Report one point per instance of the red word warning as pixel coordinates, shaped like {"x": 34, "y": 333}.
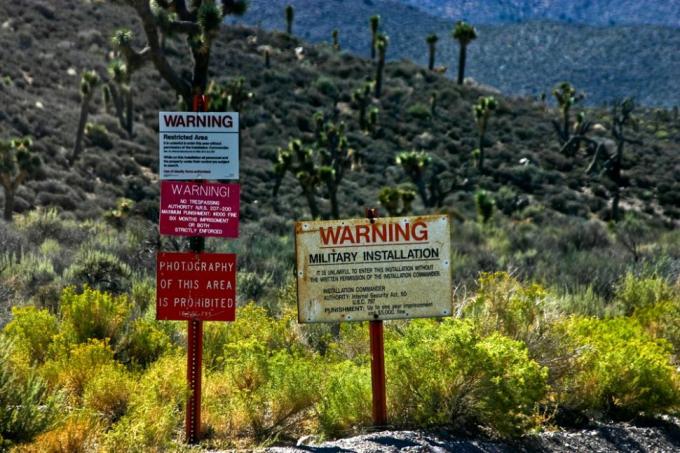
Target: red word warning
{"x": 199, "y": 209}
{"x": 200, "y": 286}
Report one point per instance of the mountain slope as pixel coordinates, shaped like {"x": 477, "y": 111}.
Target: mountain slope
{"x": 519, "y": 59}
{"x": 600, "y": 12}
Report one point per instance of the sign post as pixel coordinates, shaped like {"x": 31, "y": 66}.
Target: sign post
{"x": 194, "y": 286}
{"x": 371, "y": 270}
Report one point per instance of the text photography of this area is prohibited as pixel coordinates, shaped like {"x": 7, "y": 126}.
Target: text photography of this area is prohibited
{"x": 377, "y": 269}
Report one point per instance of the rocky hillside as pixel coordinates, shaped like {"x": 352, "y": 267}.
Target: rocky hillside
{"x": 49, "y": 47}
{"x": 525, "y": 58}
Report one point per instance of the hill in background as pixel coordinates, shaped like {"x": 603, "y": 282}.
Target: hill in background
{"x": 600, "y": 12}
{"x": 518, "y": 58}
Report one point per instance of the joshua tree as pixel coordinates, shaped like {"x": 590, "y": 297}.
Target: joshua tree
{"x": 336, "y": 43}
{"x": 88, "y": 83}
{"x": 431, "y": 43}
{"x": 482, "y": 111}
{"x": 566, "y": 97}
{"x": 381, "y": 45}
{"x": 612, "y": 161}
{"x": 199, "y": 23}
{"x": 485, "y": 205}
{"x": 397, "y": 200}
{"x": 464, "y": 33}
{"x": 229, "y": 97}
{"x": 428, "y": 175}
{"x": 17, "y": 164}
{"x": 361, "y": 98}
{"x": 373, "y": 115}
{"x": 322, "y": 164}
{"x": 290, "y": 15}
{"x": 375, "y": 24}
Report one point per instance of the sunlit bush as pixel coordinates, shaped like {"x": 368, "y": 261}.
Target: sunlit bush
{"x": 100, "y": 270}
{"x": 447, "y": 374}
{"x": 93, "y": 314}
{"x": 32, "y": 330}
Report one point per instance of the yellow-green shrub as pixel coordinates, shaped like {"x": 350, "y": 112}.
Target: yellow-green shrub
{"x": 26, "y": 407}
{"x": 272, "y": 392}
{"x": 73, "y": 369}
{"x": 502, "y": 304}
{"x": 144, "y": 343}
{"x": 108, "y": 392}
{"x": 345, "y": 402}
{"x": 32, "y": 331}
{"x": 618, "y": 368}
{"x": 634, "y": 293}
{"x": 77, "y": 433}
{"x": 444, "y": 373}
{"x": 93, "y": 314}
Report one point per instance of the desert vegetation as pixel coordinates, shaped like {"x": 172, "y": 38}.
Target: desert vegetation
{"x": 567, "y": 284}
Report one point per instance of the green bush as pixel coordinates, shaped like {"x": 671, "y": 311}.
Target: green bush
{"x": 100, "y": 270}
{"x": 446, "y": 374}
{"x": 108, "y": 393}
{"x": 345, "y": 402}
{"x": 26, "y": 407}
{"x": 32, "y": 330}
{"x": 93, "y": 314}
{"x": 618, "y": 368}
{"x": 419, "y": 111}
{"x": 144, "y": 343}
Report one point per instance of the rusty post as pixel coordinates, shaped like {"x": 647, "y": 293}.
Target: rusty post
{"x": 375, "y": 329}
{"x": 195, "y": 339}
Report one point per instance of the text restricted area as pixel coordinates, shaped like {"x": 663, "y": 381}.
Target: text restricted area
{"x": 198, "y": 145}
{"x": 199, "y": 209}
{"x": 196, "y": 286}
{"x": 355, "y": 270}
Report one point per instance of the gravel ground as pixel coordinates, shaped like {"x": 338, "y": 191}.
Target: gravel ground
{"x": 659, "y": 436}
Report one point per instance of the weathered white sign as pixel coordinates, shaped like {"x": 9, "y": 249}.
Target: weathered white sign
{"x": 356, "y": 270}
{"x": 198, "y": 145}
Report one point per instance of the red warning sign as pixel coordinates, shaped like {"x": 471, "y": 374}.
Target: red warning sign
{"x": 199, "y": 209}
{"x": 199, "y": 286}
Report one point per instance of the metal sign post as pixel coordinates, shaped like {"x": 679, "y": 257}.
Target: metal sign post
{"x": 195, "y": 339}
{"x": 375, "y": 329}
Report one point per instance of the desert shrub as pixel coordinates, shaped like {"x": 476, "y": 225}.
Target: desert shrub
{"x": 502, "y": 304}
{"x": 582, "y": 302}
{"x": 618, "y": 368}
{"x": 32, "y": 330}
{"x": 326, "y": 86}
{"x": 72, "y": 368}
{"x": 419, "y": 111}
{"x": 345, "y": 401}
{"x": 93, "y": 314}
{"x": 26, "y": 273}
{"x": 446, "y": 374}
{"x": 273, "y": 393}
{"x": 252, "y": 286}
{"x": 98, "y": 135}
{"x": 634, "y": 293}
{"x": 100, "y": 270}
{"x": 26, "y": 407}
{"x": 108, "y": 393}
{"x": 76, "y": 433}
{"x": 143, "y": 344}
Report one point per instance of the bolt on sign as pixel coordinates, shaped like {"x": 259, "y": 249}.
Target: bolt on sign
{"x": 195, "y": 286}
{"x": 198, "y": 145}
{"x": 384, "y": 268}
{"x": 199, "y": 209}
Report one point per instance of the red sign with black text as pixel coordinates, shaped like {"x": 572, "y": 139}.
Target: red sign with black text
{"x": 200, "y": 286}
{"x": 199, "y": 209}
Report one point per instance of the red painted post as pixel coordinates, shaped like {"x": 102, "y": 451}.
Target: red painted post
{"x": 195, "y": 339}
{"x": 375, "y": 329}
{"x": 194, "y": 365}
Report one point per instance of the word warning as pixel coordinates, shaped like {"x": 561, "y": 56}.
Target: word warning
{"x": 198, "y": 286}
{"x": 355, "y": 270}
{"x": 199, "y": 209}
{"x": 198, "y": 145}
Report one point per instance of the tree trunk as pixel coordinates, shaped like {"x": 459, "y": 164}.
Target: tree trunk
{"x": 616, "y": 178}
{"x": 9, "y": 203}
{"x": 333, "y": 196}
{"x": 379, "y": 76}
{"x": 480, "y": 158}
{"x": 373, "y": 39}
{"x": 422, "y": 192}
{"x": 311, "y": 202}
{"x": 129, "y": 117}
{"x": 430, "y": 64}
{"x": 80, "y": 133}
{"x": 566, "y": 134}
{"x": 461, "y": 63}
{"x": 117, "y": 99}
{"x": 362, "y": 115}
